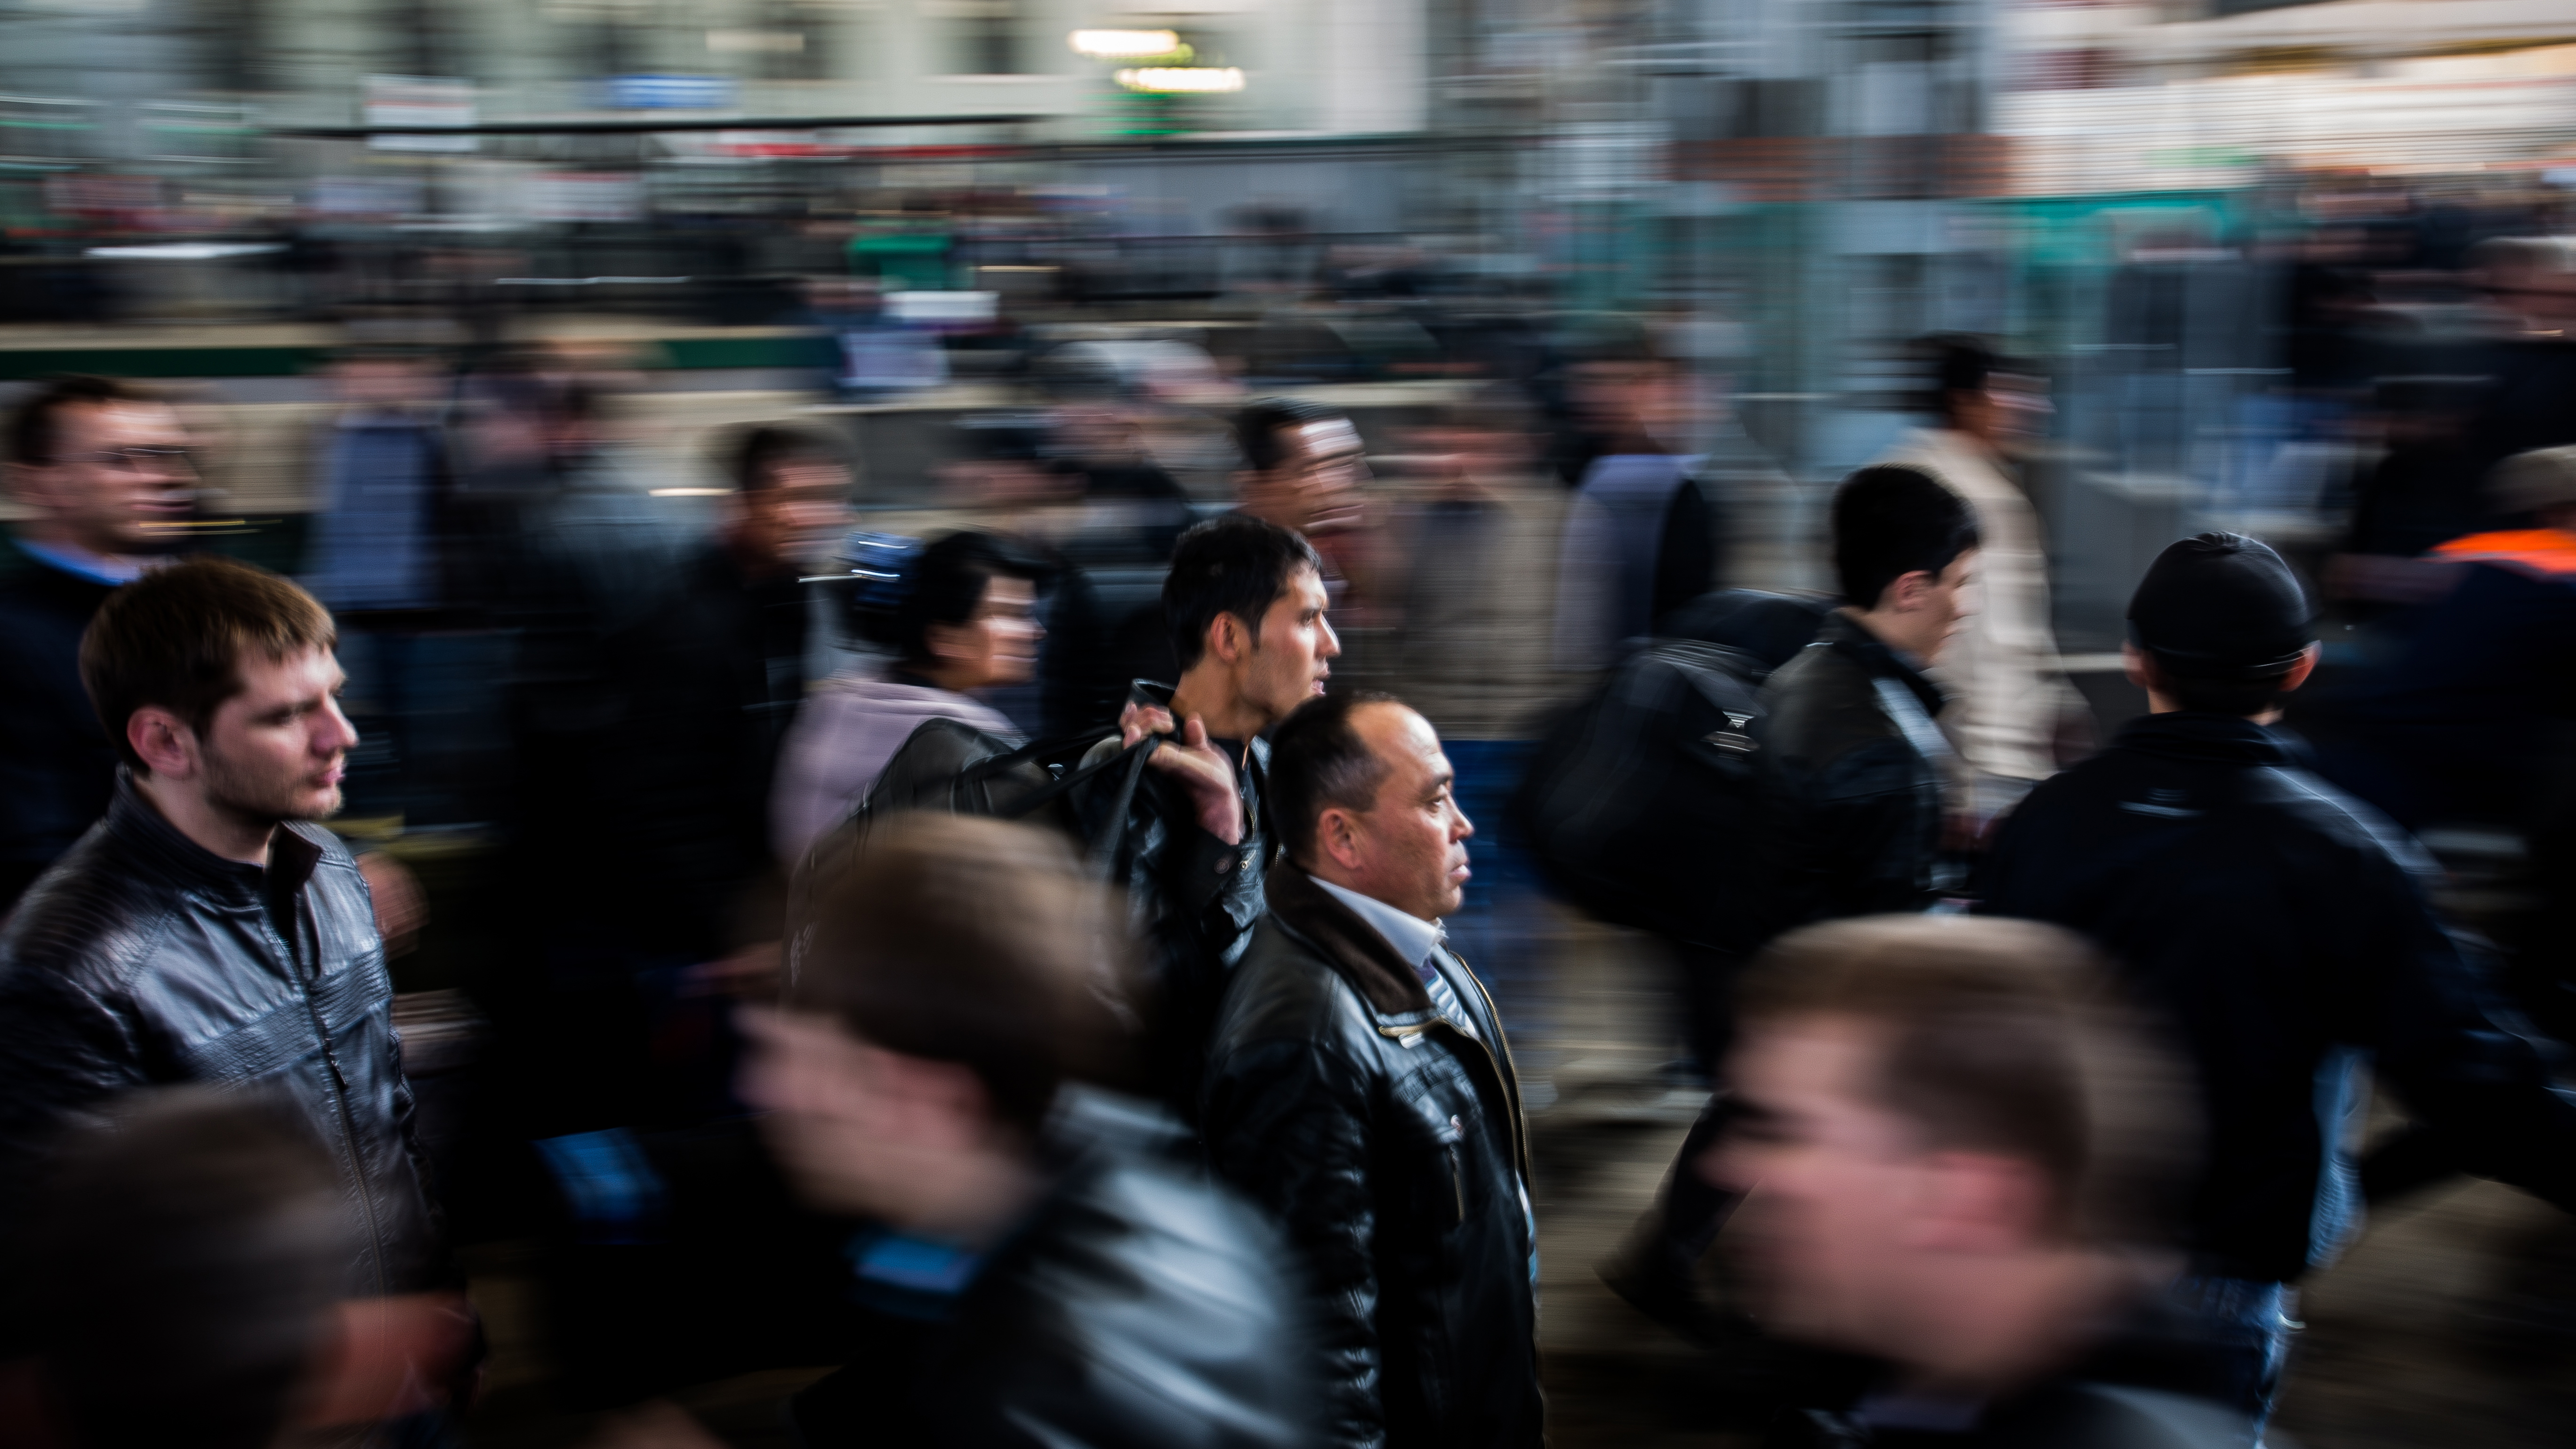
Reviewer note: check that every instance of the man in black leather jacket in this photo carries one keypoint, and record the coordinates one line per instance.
(1246, 603)
(1852, 715)
(2284, 928)
(1036, 1271)
(207, 930)
(1360, 1088)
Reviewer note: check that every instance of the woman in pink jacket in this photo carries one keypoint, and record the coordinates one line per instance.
(965, 624)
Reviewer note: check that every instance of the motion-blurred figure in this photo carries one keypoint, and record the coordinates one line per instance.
(1246, 604)
(964, 625)
(1642, 538)
(1038, 1273)
(1360, 1088)
(104, 473)
(1852, 715)
(208, 930)
(1957, 1159)
(1303, 469)
(2012, 700)
(2284, 928)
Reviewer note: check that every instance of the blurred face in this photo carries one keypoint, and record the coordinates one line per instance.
(1921, 613)
(276, 750)
(857, 1128)
(1292, 652)
(1409, 848)
(121, 481)
(1316, 486)
(804, 509)
(998, 646)
(1835, 1183)
(2011, 407)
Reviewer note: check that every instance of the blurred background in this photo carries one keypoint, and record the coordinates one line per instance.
(2293, 269)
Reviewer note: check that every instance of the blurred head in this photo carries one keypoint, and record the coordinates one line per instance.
(181, 1267)
(105, 467)
(1366, 800)
(1936, 1108)
(386, 378)
(1905, 551)
(1303, 463)
(967, 620)
(2533, 278)
(2540, 483)
(2220, 625)
(1002, 463)
(1975, 390)
(1625, 390)
(791, 496)
(217, 679)
(1246, 602)
(951, 978)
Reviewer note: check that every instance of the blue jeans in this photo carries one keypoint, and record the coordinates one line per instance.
(2252, 1322)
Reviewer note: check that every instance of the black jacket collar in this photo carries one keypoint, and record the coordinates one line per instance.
(2190, 737)
(1846, 637)
(1351, 946)
(157, 847)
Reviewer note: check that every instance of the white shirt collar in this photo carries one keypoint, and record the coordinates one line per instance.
(1410, 935)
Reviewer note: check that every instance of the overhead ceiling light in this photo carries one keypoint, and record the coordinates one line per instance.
(1176, 79)
(1124, 44)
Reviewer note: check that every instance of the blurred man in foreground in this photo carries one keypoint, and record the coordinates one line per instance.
(2284, 928)
(103, 471)
(208, 930)
(1040, 1275)
(1955, 1155)
(183, 1285)
(1245, 601)
(1359, 1087)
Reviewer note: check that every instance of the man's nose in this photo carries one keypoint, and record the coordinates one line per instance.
(337, 734)
(1332, 642)
(1464, 827)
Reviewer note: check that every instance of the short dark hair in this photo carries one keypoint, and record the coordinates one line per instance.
(760, 449)
(2241, 698)
(2003, 1036)
(1234, 564)
(1258, 424)
(176, 638)
(1319, 762)
(964, 939)
(180, 1267)
(1957, 362)
(36, 427)
(1890, 522)
(945, 584)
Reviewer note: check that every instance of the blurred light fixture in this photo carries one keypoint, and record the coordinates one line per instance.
(756, 42)
(1182, 79)
(1123, 44)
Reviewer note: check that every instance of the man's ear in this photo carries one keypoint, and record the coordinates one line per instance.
(1907, 592)
(1227, 638)
(2135, 664)
(1981, 1202)
(165, 742)
(1337, 837)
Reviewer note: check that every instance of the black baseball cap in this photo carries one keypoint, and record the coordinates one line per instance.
(2222, 606)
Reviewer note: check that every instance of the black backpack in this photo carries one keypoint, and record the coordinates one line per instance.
(947, 764)
(1654, 803)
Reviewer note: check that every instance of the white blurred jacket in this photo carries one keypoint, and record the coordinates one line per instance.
(2001, 670)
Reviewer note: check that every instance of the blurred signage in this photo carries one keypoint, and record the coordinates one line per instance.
(585, 196)
(668, 92)
(424, 105)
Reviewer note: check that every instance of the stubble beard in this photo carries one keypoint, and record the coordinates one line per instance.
(257, 803)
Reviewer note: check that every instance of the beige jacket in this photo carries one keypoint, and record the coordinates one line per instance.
(2001, 670)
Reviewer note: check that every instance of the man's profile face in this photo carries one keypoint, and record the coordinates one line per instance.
(1950, 602)
(1835, 1182)
(121, 481)
(1292, 651)
(1413, 835)
(277, 750)
(804, 508)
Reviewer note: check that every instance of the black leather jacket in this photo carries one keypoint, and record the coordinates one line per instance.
(2283, 927)
(1866, 786)
(141, 960)
(1139, 1306)
(1192, 900)
(1391, 1145)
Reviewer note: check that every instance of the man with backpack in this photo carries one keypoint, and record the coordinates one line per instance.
(1246, 603)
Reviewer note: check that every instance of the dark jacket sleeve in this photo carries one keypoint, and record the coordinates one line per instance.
(1686, 560)
(1291, 1129)
(1862, 838)
(2440, 1039)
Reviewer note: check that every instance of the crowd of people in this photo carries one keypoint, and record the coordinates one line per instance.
(1053, 1017)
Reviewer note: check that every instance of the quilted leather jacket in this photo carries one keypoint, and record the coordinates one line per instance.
(1390, 1144)
(143, 960)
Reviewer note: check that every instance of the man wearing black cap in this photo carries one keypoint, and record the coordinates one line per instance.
(2283, 928)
